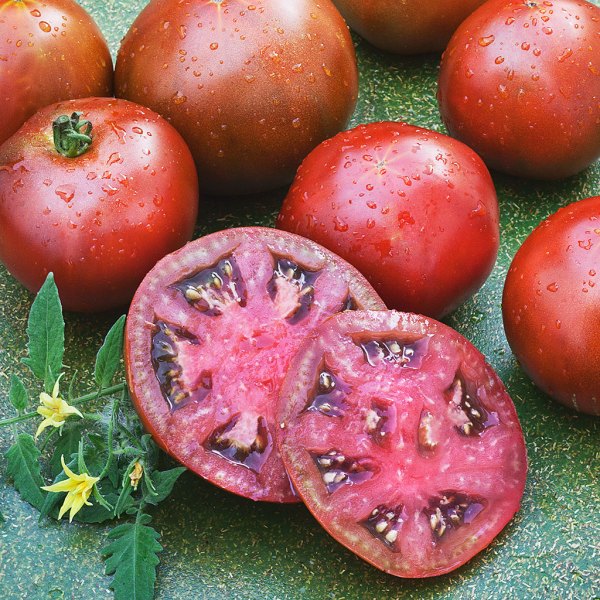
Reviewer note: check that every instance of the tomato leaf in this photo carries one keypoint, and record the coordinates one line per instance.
(24, 468)
(163, 484)
(132, 559)
(18, 394)
(109, 355)
(46, 333)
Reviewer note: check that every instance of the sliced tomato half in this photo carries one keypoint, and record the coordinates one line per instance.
(210, 334)
(401, 441)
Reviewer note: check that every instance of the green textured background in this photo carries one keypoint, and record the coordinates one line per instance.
(219, 546)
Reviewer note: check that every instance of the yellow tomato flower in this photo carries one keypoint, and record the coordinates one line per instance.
(136, 475)
(78, 488)
(54, 410)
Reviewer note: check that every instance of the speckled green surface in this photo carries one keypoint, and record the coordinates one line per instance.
(220, 546)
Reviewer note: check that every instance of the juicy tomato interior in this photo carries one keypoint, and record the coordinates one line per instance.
(211, 332)
(402, 441)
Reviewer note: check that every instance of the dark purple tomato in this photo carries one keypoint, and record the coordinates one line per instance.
(50, 50)
(413, 210)
(520, 83)
(252, 87)
(406, 26)
(99, 220)
(551, 305)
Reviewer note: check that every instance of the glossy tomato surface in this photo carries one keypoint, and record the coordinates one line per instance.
(413, 210)
(251, 87)
(50, 50)
(551, 305)
(520, 82)
(401, 441)
(99, 221)
(407, 27)
(209, 336)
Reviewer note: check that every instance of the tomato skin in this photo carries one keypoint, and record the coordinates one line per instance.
(99, 221)
(49, 51)
(519, 83)
(551, 304)
(252, 90)
(413, 210)
(407, 27)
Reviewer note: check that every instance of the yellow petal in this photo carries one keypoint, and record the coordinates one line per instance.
(55, 389)
(66, 505)
(45, 423)
(67, 409)
(66, 485)
(76, 506)
(66, 469)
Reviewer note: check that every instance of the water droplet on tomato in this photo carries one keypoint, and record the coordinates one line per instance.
(552, 287)
(214, 46)
(45, 27)
(486, 40)
(35, 13)
(65, 192)
(567, 52)
(339, 225)
(115, 157)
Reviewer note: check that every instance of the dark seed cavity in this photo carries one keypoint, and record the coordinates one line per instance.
(384, 523)
(329, 395)
(451, 510)
(404, 354)
(472, 416)
(164, 354)
(349, 303)
(292, 289)
(215, 288)
(337, 469)
(244, 440)
(381, 422)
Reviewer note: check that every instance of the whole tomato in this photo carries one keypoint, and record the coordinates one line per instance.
(251, 87)
(95, 190)
(520, 83)
(50, 50)
(551, 305)
(407, 27)
(415, 211)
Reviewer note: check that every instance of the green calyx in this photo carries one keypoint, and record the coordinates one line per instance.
(72, 136)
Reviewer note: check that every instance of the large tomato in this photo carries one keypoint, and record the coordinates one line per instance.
(551, 305)
(102, 219)
(407, 26)
(413, 210)
(520, 83)
(401, 440)
(50, 50)
(252, 87)
(209, 337)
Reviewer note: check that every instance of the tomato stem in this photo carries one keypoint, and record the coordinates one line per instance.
(72, 136)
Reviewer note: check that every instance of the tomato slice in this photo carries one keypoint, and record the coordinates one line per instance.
(210, 333)
(401, 441)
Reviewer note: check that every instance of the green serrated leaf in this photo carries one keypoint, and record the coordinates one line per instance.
(24, 468)
(163, 484)
(18, 394)
(132, 559)
(109, 355)
(46, 333)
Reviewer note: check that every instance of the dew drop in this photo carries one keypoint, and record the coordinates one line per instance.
(45, 27)
(486, 40)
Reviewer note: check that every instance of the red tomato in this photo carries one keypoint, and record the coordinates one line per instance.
(251, 87)
(50, 50)
(101, 220)
(407, 26)
(209, 336)
(401, 441)
(551, 305)
(520, 82)
(413, 210)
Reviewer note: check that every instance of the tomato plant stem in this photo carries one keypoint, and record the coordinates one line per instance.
(119, 387)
